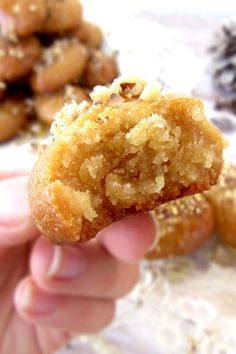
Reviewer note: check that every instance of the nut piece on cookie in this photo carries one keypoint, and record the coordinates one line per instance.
(184, 225)
(128, 151)
(223, 199)
(22, 17)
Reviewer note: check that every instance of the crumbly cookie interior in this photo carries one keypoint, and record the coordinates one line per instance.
(128, 149)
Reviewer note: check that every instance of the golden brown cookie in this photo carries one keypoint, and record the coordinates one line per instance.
(101, 69)
(18, 59)
(223, 199)
(62, 16)
(13, 116)
(60, 64)
(22, 17)
(90, 34)
(128, 151)
(184, 225)
(47, 105)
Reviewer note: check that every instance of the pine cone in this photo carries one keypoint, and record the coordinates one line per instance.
(223, 66)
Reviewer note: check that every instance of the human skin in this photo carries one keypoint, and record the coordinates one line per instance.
(48, 293)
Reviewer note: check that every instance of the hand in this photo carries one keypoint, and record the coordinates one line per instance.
(60, 291)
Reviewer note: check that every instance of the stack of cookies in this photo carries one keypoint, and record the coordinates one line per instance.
(49, 56)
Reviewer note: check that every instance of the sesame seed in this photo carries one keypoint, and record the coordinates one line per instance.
(173, 212)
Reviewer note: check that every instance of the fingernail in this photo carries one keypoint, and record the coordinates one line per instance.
(14, 200)
(157, 233)
(31, 299)
(67, 263)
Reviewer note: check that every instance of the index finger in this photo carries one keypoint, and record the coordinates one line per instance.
(129, 239)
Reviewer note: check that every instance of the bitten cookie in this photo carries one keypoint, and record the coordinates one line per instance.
(184, 225)
(128, 151)
(101, 69)
(223, 199)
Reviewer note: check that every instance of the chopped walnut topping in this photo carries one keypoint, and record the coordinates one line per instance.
(100, 94)
(51, 54)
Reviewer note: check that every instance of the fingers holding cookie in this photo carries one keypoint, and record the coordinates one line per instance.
(119, 155)
(185, 225)
(69, 313)
(90, 34)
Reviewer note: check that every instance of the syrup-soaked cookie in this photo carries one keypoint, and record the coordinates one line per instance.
(128, 151)
(17, 59)
(21, 18)
(223, 199)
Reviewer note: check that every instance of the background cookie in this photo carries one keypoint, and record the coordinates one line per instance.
(223, 199)
(184, 226)
(13, 116)
(46, 46)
